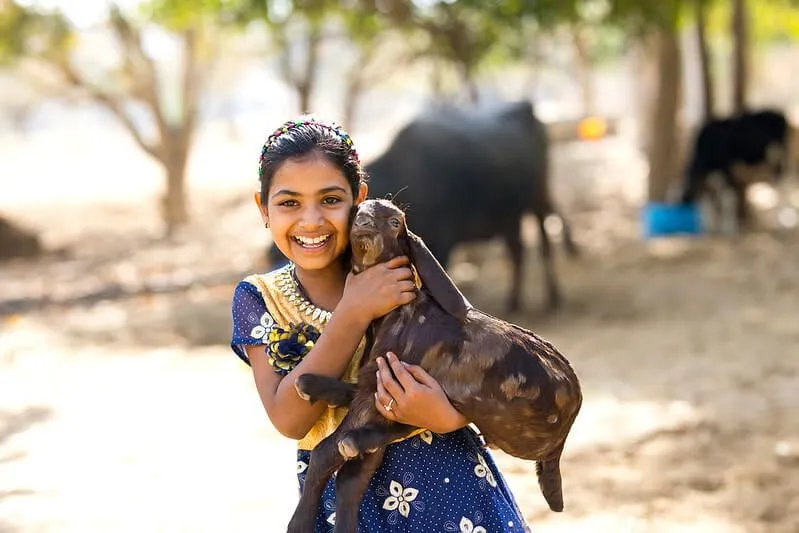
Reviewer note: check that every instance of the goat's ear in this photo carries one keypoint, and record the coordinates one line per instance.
(436, 279)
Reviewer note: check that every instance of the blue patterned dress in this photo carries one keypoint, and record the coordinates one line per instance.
(427, 483)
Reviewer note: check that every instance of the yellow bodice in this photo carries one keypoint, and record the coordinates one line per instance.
(278, 289)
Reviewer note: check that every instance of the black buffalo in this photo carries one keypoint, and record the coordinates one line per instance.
(731, 153)
(471, 175)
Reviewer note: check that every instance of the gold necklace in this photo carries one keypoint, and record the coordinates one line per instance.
(288, 286)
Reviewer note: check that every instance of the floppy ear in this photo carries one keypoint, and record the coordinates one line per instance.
(436, 280)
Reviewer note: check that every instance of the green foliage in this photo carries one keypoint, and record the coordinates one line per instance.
(26, 32)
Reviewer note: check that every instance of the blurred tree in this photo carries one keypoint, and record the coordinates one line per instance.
(740, 41)
(297, 29)
(369, 31)
(656, 23)
(136, 83)
(706, 73)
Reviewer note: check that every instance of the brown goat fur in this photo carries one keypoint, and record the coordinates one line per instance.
(516, 387)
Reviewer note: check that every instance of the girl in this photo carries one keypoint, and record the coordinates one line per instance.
(441, 478)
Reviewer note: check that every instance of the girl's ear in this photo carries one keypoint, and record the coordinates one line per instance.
(362, 192)
(261, 208)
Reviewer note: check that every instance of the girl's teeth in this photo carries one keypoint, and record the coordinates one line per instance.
(315, 241)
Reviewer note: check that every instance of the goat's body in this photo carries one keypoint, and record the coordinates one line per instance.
(516, 387)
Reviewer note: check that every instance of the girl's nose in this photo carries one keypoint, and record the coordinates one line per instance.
(312, 217)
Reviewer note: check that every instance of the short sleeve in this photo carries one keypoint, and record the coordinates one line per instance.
(251, 320)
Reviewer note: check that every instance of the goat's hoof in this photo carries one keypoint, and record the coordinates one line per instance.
(300, 391)
(301, 524)
(348, 449)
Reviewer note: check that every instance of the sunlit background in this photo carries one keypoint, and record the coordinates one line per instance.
(129, 138)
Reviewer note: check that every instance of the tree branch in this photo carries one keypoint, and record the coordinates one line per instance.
(112, 104)
(130, 39)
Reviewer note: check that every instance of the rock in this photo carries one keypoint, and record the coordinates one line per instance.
(16, 242)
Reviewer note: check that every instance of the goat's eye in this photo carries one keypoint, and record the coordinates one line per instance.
(395, 222)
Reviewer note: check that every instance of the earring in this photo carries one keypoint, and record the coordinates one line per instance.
(266, 225)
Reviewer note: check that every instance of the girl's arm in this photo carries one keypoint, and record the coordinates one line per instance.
(368, 295)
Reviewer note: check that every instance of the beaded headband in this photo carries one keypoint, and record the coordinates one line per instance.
(337, 130)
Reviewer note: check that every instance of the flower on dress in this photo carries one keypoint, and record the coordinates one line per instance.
(466, 525)
(260, 331)
(286, 347)
(482, 471)
(302, 466)
(400, 499)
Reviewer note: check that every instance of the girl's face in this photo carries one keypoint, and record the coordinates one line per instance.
(308, 207)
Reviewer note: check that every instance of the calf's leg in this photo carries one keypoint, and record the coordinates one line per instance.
(351, 483)
(325, 460)
(315, 388)
(368, 439)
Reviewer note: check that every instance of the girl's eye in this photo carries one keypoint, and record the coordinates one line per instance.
(289, 203)
(331, 200)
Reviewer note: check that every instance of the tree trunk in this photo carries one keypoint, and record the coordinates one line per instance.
(305, 86)
(740, 37)
(174, 208)
(706, 77)
(585, 75)
(663, 154)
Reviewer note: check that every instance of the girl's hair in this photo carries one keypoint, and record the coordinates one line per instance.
(306, 136)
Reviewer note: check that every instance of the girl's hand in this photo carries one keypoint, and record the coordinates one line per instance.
(414, 397)
(380, 289)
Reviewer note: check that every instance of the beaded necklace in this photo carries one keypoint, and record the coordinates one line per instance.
(289, 285)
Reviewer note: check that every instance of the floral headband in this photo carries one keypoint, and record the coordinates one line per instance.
(337, 130)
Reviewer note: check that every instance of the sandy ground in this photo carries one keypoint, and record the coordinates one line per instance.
(130, 414)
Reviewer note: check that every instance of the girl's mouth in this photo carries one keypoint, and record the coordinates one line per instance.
(311, 243)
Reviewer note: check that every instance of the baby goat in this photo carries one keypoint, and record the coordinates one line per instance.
(516, 387)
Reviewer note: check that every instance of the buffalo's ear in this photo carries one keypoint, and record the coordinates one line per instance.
(436, 279)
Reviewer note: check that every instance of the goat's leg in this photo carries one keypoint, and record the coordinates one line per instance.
(513, 239)
(351, 483)
(368, 439)
(549, 480)
(552, 301)
(325, 460)
(315, 388)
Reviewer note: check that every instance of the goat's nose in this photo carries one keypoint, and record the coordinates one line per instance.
(363, 220)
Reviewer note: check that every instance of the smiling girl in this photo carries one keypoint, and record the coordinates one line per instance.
(311, 316)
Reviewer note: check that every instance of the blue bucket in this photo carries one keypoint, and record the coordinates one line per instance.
(662, 220)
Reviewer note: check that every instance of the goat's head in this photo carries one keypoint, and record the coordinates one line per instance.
(379, 233)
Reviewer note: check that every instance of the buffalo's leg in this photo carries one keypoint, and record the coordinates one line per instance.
(351, 483)
(552, 301)
(568, 240)
(513, 239)
(315, 388)
(325, 460)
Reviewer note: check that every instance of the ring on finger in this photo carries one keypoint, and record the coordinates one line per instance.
(390, 405)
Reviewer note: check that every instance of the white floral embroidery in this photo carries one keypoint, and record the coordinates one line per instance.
(260, 331)
(482, 471)
(400, 498)
(332, 519)
(302, 466)
(466, 525)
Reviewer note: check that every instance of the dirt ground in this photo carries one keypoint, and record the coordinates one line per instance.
(122, 409)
